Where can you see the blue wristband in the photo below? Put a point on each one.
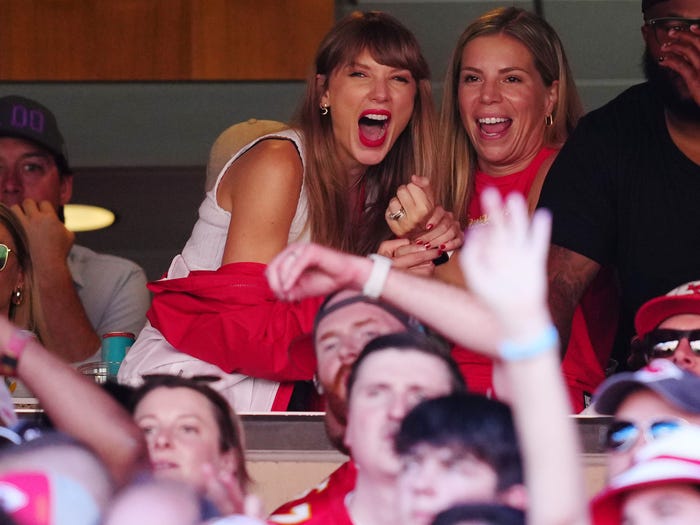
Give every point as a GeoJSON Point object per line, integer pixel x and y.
{"type": "Point", "coordinates": [512, 351]}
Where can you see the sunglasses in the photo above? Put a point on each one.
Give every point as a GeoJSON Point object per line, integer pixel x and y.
{"type": "Point", "coordinates": [664, 342]}
{"type": "Point", "coordinates": [4, 255]}
{"type": "Point", "coordinates": [622, 435]}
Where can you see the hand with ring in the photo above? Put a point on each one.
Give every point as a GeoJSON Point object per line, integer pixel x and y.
{"type": "Point", "coordinates": [412, 206]}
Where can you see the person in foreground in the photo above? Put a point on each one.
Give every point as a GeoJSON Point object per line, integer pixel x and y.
{"type": "Point", "coordinates": [504, 314]}
{"type": "Point", "coordinates": [662, 487]}
{"type": "Point", "coordinates": [457, 449]}
{"type": "Point", "coordinates": [651, 402]}
{"type": "Point", "coordinates": [340, 176]}
{"type": "Point", "coordinates": [83, 294]}
{"type": "Point", "coordinates": [392, 373]}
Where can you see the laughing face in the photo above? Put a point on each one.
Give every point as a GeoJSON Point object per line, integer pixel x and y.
{"type": "Point", "coordinates": [182, 435]}
{"type": "Point", "coordinates": [370, 106]}
{"type": "Point", "coordinates": [503, 103]}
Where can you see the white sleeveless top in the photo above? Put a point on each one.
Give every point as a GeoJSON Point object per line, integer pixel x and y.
{"type": "Point", "coordinates": [152, 354]}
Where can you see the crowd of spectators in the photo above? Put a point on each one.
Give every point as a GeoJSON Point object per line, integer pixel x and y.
{"type": "Point", "coordinates": [447, 289]}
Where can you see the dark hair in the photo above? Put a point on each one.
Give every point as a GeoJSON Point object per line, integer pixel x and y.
{"type": "Point", "coordinates": [480, 426]}
{"type": "Point", "coordinates": [409, 341]}
{"type": "Point", "coordinates": [230, 427]}
{"type": "Point", "coordinates": [490, 513]}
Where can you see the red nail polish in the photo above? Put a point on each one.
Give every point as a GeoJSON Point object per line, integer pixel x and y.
{"type": "Point", "coordinates": [442, 247]}
{"type": "Point", "coordinates": [429, 227]}
{"type": "Point", "coordinates": [419, 242]}
{"type": "Point", "coordinates": [427, 245]}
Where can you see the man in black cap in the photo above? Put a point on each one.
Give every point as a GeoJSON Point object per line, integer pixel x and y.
{"type": "Point", "coordinates": [623, 190]}
{"type": "Point", "coordinates": [82, 294]}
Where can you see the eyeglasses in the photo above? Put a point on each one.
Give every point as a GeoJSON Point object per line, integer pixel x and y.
{"type": "Point", "coordinates": [4, 255]}
{"type": "Point", "coordinates": [664, 342]}
{"type": "Point", "coordinates": [622, 435]}
{"type": "Point", "coordinates": [663, 26]}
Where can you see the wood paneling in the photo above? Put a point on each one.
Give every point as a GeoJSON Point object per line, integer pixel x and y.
{"type": "Point", "coordinates": [113, 40]}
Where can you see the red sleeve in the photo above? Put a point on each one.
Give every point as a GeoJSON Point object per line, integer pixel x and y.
{"type": "Point", "coordinates": [231, 318]}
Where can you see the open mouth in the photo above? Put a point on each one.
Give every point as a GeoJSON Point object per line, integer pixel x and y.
{"type": "Point", "coordinates": [494, 126]}
{"type": "Point", "coordinates": [372, 127]}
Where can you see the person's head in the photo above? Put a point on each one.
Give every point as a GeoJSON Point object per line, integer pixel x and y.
{"type": "Point", "coordinates": [54, 468]}
{"type": "Point", "coordinates": [665, 21]}
{"type": "Point", "coordinates": [668, 327]}
{"type": "Point", "coordinates": [164, 501]}
{"type": "Point", "coordinates": [346, 321]}
{"type": "Point", "coordinates": [33, 160]}
{"type": "Point", "coordinates": [367, 114]}
{"type": "Point", "coordinates": [393, 373]}
{"type": "Point", "coordinates": [508, 90]}
{"type": "Point", "coordinates": [457, 449]}
{"type": "Point", "coordinates": [480, 514]}
{"type": "Point", "coordinates": [15, 270]}
{"type": "Point", "coordinates": [662, 487]}
{"type": "Point", "coordinates": [188, 425]}
{"type": "Point", "coordinates": [646, 404]}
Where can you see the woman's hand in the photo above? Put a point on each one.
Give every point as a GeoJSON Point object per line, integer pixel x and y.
{"type": "Point", "coordinates": [504, 263]}
{"type": "Point", "coordinates": [442, 231]}
{"type": "Point", "coordinates": [409, 211]}
{"type": "Point", "coordinates": [414, 258]}
{"type": "Point", "coordinates": [309, 270]}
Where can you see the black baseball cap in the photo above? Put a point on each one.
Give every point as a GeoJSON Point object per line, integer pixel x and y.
{"type": "Point", "coordinates": [27, 119]}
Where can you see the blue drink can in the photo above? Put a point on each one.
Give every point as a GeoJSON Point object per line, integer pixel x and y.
{"type": "Point", "coordinates": [114, 348]}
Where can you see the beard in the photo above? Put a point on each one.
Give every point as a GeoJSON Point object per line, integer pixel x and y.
{"type": "Point", "coordinates": [336, 419]}
{"type": "Point", "coordinates": [664, 82]}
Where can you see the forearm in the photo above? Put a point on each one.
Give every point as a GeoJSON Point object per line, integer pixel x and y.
{"type": "Point", "coordinates": [548, 437]}
{"type": "Point", "coordinates": [63, 323]}
{"type": "Point", "coordinates": [80, 408]}
{"type": "Point", "coordinates": [569, 274]}
{"type": "Point", "coordinates": [450, 310]}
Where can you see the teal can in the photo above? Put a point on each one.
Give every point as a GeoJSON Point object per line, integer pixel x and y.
{"type": "Point", "coordinates": [114, 347]}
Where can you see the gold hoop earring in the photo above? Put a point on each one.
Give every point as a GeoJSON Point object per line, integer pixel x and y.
{"type": "Point", "coordinates": [549, 120]}
{"type": "Point", "coordinates": [17, 296]}
{"type": "Point", "coordinates": [324, 110]}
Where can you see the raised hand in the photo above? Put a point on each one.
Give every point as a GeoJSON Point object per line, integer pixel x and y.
{"type": "Point", "coordinates": [682, 55]}
{"type": "Point", "coordinates": [504, 262]}
{"type": "Point", "coordinates": [308, 270]}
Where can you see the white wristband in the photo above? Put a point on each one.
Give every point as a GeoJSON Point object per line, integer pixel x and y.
{"type": "Point", "coordinates": [377, 277]}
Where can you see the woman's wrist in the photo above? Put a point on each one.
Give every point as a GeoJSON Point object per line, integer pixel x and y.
{"type": "Point", "coordinates": [14, 348]}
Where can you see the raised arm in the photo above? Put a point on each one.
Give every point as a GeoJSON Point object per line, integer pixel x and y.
{"type": "Point", "coordinates": [75, 405]}
{"type": "Point", "coordinates": [64, 325]}
{"type": "Point", "coordinates": [505, 267]}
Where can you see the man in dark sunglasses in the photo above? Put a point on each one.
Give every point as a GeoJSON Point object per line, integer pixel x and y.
{"type": "Point", "coordinates": [83, 294]}
{"type": "Point", "coordinates": [668, 327]}
{"type": "Point", "coordinates": [646, 404]}
{"type": "Point", "coordinates": [623, 188]}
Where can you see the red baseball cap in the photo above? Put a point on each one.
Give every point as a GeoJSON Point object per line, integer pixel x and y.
{"type": "Point", "coordinates": [682, 300]}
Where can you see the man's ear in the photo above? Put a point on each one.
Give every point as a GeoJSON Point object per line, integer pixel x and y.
{"type": "Point", "coordinates": [65, 189]}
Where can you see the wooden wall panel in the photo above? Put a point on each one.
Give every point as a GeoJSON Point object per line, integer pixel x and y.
{"type": "Point", "coordinates": [113, 40]}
